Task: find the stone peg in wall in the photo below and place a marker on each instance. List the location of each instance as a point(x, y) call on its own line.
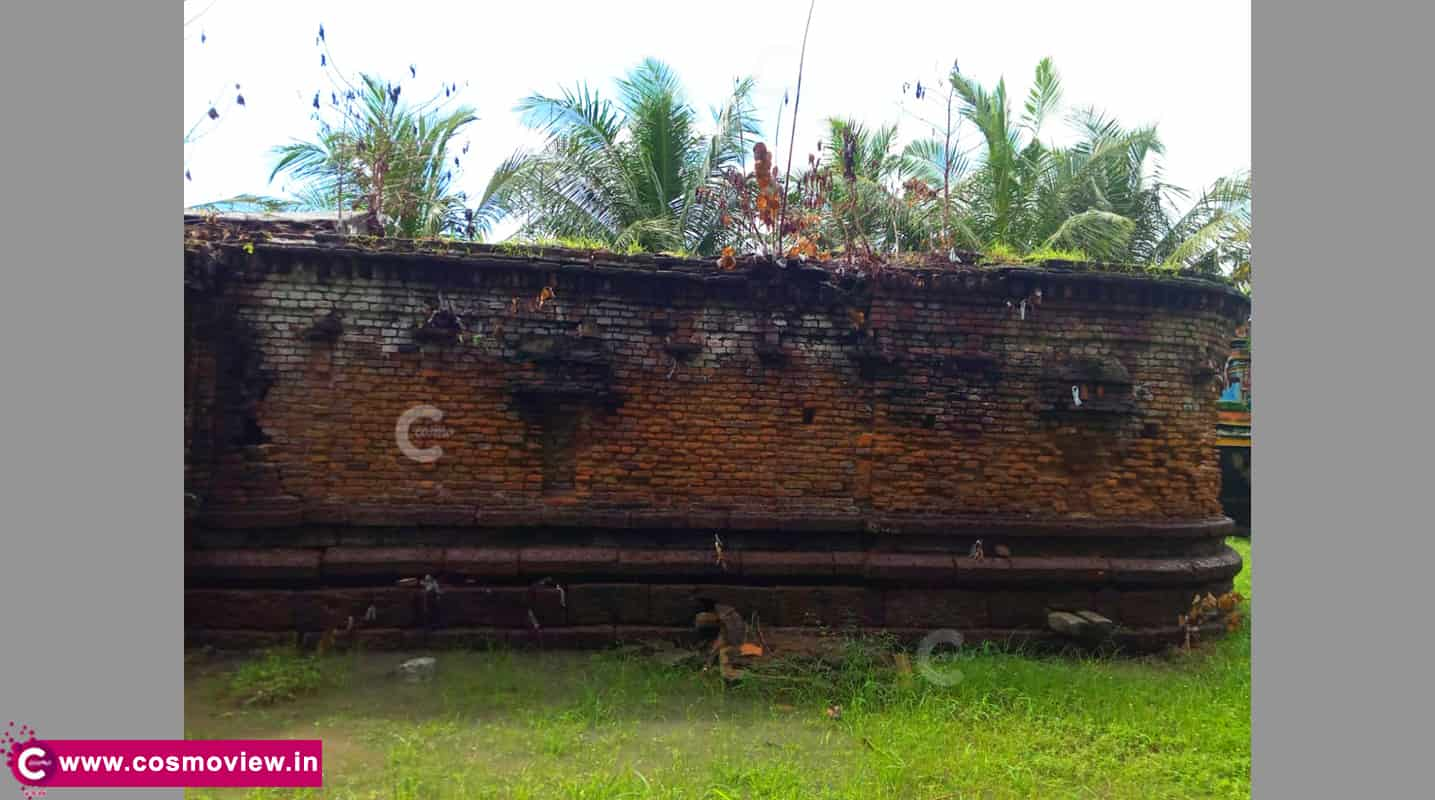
point(1089, 385)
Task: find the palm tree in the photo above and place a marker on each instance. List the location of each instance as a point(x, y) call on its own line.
point(1101, 196)
point(1215, 235)
point(861, 203)
point(933, 168)
point(1104, 195)
point(389, 163)
point(632, 173)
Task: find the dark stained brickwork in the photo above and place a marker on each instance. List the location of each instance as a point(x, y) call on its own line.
point(832, 426)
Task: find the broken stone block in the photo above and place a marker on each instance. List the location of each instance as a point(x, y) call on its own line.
point(417, 670)
point(1088, 626)
point(1100, 625)
point(1067, 624)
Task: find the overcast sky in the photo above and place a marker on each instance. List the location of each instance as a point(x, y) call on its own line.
point(1184, 67)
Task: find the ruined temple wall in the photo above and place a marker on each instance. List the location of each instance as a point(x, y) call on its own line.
point(895, 398)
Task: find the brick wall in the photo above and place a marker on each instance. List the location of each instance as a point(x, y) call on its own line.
point(848, 436)
point(642, 388)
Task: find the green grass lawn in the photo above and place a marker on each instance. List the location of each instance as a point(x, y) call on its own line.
point(508, 724)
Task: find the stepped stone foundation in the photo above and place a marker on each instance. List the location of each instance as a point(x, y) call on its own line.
point(583, 448)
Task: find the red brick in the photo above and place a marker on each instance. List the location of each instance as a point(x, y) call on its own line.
point(675, 563)
point(675, 604)
point(485, 562)
point(982, 572)
point(587, 637)
point(935, 608)
point(382, 639)
point(791, 565)
point(607, 603)
point(469, 638)
point(924, 567)
point(539, 562)
point(1153, 608)
point(258, 609)
point(322, 610)
point(1152, 571)
point(231, 639)
point(266, 564)
point(383, 562)
point(501, 607)
point(1029, 609)
point(647, 633)
point(834, 607)
point(1046, 569)
point(717, 443)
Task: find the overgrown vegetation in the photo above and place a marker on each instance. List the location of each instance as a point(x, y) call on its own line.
point(278, 676)
point(632, 172)
point(386, 164)
point(1015, 197)
point(536, 244)
point(641, 173)
point(507, 724)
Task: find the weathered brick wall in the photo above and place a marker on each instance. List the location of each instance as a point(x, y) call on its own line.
point(853, 438)
point(666, 386)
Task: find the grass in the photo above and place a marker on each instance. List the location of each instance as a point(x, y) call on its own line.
point(505, 724)
point(535, 246)
point(1001, 254)
point(1042, 254)
point(277, 676)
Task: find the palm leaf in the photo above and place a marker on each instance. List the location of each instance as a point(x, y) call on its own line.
point(1045, 95)
point(1100, 234)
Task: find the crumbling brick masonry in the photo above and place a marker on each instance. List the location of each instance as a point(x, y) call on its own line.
point(643, 432)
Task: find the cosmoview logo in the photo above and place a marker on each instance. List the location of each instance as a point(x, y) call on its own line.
point(35, 763)
point(420, 422)
point(941, 672)
point(31, 761)
point(39, 766)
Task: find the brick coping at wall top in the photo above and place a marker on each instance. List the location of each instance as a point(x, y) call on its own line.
point(316, 234)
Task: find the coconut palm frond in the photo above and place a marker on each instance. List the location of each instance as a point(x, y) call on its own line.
point(630, 171)
point(383, 159)
point(1100, 234)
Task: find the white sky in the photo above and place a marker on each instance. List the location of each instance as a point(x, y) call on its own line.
point(1184, 67)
